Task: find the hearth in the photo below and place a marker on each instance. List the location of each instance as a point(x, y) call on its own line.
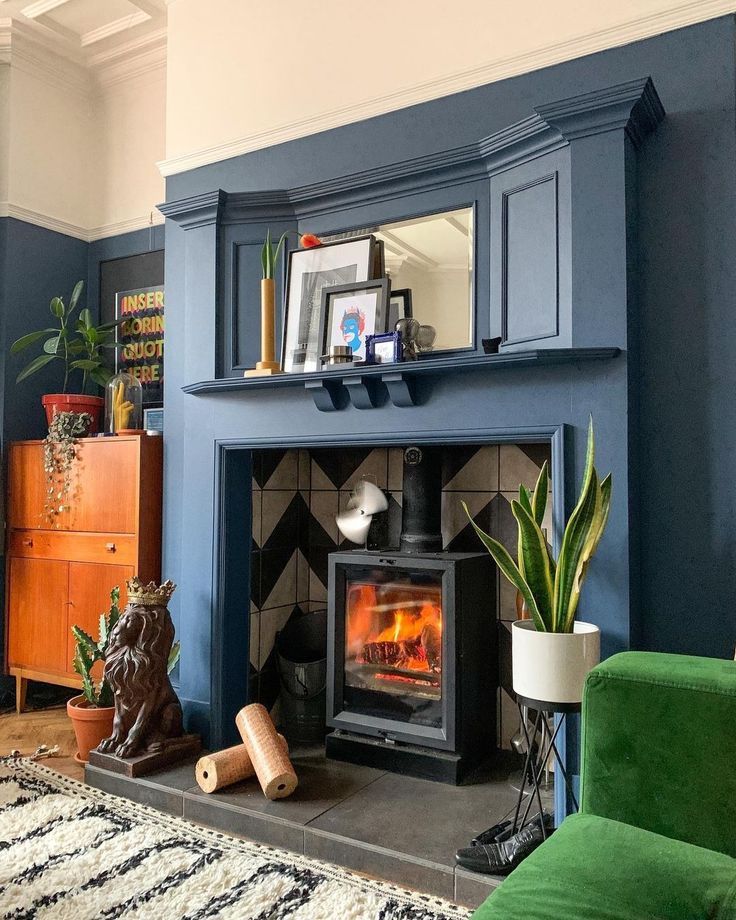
point(412, 656)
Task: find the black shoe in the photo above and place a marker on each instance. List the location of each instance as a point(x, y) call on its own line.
point(493, 834)
point(501, 858)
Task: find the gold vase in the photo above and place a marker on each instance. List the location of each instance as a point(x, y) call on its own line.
point(267, 364)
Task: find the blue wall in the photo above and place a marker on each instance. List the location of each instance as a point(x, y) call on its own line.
point(664, 411)
point(35, 265)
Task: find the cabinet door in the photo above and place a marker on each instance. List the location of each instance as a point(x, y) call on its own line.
point(106, 473)
point(37, 610)
point(26, 486)
point(89, 596)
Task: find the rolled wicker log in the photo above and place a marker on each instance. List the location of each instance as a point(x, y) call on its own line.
point(270, 761)
point(223, 768)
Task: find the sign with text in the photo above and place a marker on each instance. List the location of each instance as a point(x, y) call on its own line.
point(142, 336)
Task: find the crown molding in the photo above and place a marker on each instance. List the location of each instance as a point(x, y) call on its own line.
point(684, 14)
point(33, 52)
point(27, 50)
point(117, 228)
point(631, 107)
point(87, 235)
point(136, 58)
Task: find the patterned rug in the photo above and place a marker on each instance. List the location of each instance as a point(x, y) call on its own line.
point(70, 852)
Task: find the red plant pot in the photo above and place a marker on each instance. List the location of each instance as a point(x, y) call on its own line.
point(91, 725)
point(74, 402)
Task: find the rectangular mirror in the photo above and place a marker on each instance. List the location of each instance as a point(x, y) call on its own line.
point(432, 257)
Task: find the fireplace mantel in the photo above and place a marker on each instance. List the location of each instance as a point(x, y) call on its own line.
point(360, 385)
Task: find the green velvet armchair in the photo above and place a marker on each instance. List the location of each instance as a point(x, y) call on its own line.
point(655, 838)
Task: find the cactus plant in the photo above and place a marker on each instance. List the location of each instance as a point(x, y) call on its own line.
point(87, 653)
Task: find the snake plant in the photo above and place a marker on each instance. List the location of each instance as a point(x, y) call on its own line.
point(551, 588)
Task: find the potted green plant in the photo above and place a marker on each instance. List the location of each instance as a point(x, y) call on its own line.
point(93, 710)
point(79, 346)
point(552, 652)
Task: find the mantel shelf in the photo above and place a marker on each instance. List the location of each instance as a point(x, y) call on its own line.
point(360, 385)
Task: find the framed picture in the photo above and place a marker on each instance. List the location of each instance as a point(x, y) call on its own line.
point(399, 307)
point(384, 348)
point(310, 272)
point(353, 312)
point(141, 335)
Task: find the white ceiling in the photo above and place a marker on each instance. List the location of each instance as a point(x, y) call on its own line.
point(90, 32)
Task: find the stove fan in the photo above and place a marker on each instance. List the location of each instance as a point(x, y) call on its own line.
point(365, 501)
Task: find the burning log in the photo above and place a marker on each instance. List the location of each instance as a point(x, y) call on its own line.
point(393, 653)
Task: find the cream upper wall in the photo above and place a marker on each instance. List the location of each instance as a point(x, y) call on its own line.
point(130, 124)
point(78, 156)
point(51, 162)
point(243, 76)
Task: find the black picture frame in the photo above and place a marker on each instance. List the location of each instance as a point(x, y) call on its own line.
point(377, 289)
point(395, 313)
point(384, 348)
point(362, 260)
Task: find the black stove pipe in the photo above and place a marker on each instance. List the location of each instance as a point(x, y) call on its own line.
point(421, 518)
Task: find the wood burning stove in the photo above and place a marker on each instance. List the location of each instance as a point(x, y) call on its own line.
point(411, 650)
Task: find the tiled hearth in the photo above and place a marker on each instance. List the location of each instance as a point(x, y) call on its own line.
point(296, 497)
point(373, 822)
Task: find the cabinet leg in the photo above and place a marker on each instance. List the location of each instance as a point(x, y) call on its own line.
point(21, 686)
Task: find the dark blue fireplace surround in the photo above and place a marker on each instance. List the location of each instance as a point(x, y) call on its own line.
point(652, 274)
point(645, 265)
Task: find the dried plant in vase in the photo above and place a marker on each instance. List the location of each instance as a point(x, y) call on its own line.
point(59, 454)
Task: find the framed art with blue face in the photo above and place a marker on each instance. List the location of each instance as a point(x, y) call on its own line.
point(352, 312)
point(310, 272)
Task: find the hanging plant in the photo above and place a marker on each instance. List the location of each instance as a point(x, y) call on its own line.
point(59, 454)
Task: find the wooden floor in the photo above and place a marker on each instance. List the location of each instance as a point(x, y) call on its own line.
point(25, 732)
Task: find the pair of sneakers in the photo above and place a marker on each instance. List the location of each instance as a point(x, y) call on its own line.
point(498, 851)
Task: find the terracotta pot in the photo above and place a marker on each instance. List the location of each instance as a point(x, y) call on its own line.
point(91, 725)
point(552, 667)
point(74, 402)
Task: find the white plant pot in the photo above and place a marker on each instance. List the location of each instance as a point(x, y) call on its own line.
point(551, 667)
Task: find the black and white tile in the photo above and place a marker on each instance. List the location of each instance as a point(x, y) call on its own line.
point(297, 495)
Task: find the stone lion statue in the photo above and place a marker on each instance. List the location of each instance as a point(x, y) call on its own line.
point(147, 711)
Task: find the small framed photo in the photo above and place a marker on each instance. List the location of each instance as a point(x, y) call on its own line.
point(384, 348)
point(353, 312)
point(399, 307)
point(310, 272)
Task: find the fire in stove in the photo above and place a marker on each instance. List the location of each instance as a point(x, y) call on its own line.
point(393, 639)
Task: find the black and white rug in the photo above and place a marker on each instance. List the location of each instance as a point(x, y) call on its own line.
point(69, 852)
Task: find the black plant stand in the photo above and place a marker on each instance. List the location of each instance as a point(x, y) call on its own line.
point(534, 766)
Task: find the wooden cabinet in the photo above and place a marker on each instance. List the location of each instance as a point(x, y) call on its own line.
point(61, 577)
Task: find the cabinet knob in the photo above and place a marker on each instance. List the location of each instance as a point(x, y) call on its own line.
point(27, 542)
point(110, 547)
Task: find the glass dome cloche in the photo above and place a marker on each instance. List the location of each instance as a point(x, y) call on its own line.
point(123, 404)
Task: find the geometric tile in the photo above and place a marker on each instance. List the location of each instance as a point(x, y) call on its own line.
point(285, 474)
point(272, 621)
point(538, 453)
point(372, 465)
point(255, 640)
point(517, 466)
point(278, 578)
point(395, 469)
point(323, 507)
point(469, 469)
point(305, 471)
point(457, 531)
point(274, 508)
point(256, 507)
point(325, 469)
